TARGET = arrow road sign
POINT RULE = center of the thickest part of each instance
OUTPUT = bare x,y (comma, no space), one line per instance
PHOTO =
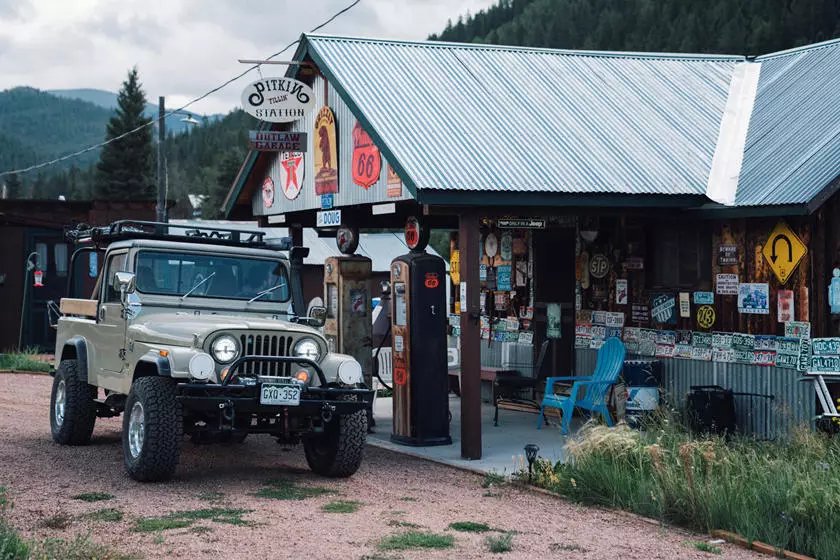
783,263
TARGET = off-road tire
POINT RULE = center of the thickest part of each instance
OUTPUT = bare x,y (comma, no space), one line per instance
162,430
79,409
338,452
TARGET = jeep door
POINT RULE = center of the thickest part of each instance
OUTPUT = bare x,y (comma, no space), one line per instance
110,337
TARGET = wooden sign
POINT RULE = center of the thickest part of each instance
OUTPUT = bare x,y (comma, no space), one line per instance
278,100
783,251
276,141
366,163
326,153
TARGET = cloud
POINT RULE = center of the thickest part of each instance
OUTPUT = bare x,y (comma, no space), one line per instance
183,48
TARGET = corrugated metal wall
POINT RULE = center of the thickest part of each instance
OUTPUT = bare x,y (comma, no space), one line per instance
794,403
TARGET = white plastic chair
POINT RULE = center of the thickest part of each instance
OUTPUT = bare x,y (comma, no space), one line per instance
386,370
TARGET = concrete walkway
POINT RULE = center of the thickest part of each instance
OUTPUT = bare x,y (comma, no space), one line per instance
501,446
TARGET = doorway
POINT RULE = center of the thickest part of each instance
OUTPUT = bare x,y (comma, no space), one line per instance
53,261
554,294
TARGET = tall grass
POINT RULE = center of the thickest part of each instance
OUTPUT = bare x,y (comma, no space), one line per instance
23,361
785,493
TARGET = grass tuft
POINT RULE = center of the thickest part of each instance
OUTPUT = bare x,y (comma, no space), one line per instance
23,361
93,497
58,521
416,539
212,496
492,479
408,499
201,529
284,489
469,527
341,506
105,514
500,544
557,547
404,524
706,547
183,519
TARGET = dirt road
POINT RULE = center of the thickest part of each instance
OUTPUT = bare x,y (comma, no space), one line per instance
393,494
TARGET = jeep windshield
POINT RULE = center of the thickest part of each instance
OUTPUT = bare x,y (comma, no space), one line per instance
211,276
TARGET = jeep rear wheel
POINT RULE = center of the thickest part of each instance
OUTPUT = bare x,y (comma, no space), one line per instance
338,452
72,406
151,430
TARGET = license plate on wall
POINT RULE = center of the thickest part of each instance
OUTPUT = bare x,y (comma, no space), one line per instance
286,395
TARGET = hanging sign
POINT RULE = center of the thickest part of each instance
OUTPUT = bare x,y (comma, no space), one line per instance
278,100
507,246
347,239
326,153
276,141
783,251
366,163
599,266
268,192
727,255
394,184
706,316
521,223
726,284
621,291
291,173
754,299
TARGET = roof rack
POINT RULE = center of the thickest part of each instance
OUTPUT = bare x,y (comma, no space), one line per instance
132,229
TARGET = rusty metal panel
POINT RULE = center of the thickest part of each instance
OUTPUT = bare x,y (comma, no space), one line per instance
348,193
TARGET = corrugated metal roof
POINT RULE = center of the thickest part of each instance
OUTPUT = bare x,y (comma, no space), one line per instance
484,118
793,144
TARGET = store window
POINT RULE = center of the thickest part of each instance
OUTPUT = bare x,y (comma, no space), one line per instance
60,259
115,264
681,256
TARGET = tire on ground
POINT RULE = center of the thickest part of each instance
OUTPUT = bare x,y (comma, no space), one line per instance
76,426
162,431
338,451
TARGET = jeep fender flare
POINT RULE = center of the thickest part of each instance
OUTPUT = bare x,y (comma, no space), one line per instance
75,348
151,364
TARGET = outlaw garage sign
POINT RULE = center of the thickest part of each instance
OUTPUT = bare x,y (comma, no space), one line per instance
278,100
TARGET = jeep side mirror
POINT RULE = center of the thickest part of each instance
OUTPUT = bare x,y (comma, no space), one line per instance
125,283
317,316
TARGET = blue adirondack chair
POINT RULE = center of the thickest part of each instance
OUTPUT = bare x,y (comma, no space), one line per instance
589,393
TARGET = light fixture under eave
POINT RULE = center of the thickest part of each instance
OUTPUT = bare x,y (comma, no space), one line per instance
589,235
190,120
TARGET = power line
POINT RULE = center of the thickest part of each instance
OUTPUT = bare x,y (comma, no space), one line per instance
196,100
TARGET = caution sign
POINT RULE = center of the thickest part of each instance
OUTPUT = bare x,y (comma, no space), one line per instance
783,251
706,316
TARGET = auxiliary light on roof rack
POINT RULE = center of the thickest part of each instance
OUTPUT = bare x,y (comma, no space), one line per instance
132,229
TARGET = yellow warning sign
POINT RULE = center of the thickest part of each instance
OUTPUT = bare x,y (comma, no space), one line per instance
455,266
783,251
706,316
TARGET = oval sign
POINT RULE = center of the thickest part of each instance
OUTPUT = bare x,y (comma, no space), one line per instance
278,100
412,232
268,192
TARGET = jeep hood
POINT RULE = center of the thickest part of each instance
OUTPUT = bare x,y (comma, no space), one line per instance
182,327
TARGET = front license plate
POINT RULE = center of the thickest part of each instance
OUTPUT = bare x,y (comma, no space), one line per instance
287,395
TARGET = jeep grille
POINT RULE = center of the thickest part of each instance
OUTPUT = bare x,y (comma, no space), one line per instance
265,345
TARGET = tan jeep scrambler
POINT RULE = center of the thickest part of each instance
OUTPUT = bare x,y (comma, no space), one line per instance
194,333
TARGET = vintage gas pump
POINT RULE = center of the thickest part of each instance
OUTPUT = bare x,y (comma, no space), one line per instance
348,324
421,393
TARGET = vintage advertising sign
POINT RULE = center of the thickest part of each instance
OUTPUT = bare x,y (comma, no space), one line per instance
621,291
706,316
640,314
394,184
278,100
784,306
268,192
704,298
685,305
521,223
276,141
726,284
291,173
503,277
663,309
506,252
326,153
599,266
727,255
754,299
366,163
783,251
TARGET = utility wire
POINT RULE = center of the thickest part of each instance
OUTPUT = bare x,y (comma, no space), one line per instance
173,111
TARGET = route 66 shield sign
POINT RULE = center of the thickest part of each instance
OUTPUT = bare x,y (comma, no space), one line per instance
366,164
291,173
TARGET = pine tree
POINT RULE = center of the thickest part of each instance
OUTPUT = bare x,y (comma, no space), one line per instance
124,171
14,188
212,205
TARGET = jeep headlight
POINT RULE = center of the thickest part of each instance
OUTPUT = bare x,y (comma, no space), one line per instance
225,349
308,348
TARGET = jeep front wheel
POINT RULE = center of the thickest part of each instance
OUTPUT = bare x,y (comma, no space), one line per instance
338,451
72,406
151,430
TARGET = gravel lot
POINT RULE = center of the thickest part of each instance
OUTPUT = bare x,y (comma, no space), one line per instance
394,490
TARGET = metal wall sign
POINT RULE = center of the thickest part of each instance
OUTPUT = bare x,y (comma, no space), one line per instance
268,192
783,251
394,184
366,163
278,100
276,141
727,255
599,266
328,218
292,171
521,223
326,153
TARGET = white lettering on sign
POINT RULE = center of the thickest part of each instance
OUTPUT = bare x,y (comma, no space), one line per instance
328,218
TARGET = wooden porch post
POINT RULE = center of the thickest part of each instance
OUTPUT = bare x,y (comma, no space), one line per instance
468,240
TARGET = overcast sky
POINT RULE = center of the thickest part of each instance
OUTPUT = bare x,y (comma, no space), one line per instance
183,48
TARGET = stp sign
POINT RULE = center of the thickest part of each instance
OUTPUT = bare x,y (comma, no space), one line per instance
366,163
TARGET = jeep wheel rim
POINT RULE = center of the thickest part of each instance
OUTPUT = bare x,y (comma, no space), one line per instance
60,402
136,425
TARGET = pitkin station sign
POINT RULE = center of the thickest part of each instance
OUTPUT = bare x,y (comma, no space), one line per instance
276,141
278,100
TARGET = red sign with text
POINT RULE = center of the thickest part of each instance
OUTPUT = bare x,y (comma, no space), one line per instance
366,163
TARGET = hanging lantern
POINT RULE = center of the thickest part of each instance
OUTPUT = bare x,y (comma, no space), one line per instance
39,277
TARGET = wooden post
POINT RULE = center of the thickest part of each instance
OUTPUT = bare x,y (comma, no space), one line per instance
468,240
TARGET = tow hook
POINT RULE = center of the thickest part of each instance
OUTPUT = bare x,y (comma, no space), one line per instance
327,412
227,410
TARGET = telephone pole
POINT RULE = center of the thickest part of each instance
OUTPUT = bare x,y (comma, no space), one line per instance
161,163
